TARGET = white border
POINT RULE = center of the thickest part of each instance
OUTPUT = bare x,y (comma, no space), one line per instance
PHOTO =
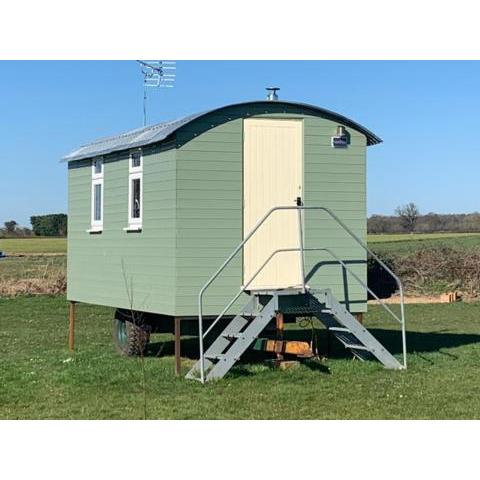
370,29
286,449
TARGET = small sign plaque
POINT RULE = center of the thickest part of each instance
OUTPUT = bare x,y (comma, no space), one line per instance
339,141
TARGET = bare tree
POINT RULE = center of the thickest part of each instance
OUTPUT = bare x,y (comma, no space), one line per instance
408,216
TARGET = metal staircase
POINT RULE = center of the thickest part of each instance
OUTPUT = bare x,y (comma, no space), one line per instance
239,334
349,331
244,329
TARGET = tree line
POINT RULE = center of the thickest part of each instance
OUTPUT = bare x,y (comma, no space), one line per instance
52,225
407,219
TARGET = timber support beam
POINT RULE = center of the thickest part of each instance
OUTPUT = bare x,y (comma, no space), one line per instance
178,351
72,318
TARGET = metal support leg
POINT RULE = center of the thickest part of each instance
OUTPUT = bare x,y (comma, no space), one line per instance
71,333
178,358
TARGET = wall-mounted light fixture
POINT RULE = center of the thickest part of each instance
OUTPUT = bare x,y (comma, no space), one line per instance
340,139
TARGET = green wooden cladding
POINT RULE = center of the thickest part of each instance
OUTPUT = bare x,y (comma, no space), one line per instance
192,217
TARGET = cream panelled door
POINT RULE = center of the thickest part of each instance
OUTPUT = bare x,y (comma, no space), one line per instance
273,176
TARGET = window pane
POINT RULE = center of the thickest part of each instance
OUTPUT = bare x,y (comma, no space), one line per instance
97,213
136,198
136,159
98,166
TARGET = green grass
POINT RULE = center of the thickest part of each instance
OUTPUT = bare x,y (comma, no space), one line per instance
407,243
40,378
399,242
33,245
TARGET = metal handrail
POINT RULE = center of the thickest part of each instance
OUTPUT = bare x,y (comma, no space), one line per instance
338,260
260,222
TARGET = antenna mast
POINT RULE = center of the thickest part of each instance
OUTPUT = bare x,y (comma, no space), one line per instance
157,73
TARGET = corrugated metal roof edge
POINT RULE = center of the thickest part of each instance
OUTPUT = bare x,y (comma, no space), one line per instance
171,127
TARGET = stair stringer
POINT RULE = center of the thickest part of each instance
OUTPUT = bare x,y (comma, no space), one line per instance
333,311
241,344
222,342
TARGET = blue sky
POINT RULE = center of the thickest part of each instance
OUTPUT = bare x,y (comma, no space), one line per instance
426,112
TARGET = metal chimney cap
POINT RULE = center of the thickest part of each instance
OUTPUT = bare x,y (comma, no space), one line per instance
272,93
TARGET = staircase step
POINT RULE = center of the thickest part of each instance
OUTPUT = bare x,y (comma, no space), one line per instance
218,356
362,354
233,336
339,329
356,347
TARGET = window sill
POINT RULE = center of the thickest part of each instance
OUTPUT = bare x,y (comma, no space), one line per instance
94,230
133,228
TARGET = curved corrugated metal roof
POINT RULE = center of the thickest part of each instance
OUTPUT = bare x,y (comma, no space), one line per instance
156,133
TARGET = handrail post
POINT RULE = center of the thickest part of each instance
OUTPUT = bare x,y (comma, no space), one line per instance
404,333
200,336
302,250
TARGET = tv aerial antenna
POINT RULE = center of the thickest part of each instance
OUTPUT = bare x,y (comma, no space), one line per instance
156,74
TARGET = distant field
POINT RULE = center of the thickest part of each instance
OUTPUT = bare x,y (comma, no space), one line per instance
409,243
392,243
409,237
14,246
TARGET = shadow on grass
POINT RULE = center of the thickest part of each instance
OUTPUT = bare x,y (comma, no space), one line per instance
417,342
424,342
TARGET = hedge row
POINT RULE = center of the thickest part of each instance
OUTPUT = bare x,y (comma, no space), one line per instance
427,271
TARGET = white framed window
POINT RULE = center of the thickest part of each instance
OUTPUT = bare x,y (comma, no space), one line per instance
97,196
97,167
135,191
136,161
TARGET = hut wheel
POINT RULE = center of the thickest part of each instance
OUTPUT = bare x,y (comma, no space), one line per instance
130,332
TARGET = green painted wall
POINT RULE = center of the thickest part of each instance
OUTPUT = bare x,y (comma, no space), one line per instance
209,213
193,209
209,205
117,268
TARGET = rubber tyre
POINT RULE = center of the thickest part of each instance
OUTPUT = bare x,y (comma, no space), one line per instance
130,334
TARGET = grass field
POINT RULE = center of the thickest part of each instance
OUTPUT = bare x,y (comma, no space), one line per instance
394,242
34,245
40,378
14,268
35,265
408,243
407,237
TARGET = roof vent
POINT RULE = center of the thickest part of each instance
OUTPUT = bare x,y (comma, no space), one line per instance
272,93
